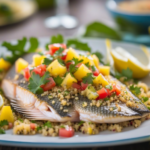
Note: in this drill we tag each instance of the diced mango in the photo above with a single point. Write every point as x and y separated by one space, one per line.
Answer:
85 59
100 79
105 70
38 59
6 114
95 60
81 72
71 53
68 81
4 64
20 65
56 69
89 131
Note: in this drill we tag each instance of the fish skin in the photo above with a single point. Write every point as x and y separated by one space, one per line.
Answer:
103 114
142 109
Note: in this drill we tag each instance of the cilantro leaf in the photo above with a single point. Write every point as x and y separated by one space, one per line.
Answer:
127 73
93 68
21 120
135 90
58 80
36 81
108 87
98 29
2 131
145 99
62 126
87 64
19 50
78 45
39 128
59 52
61 62
48 60
81 123
88 79
48 124
55 39
3 123
33 121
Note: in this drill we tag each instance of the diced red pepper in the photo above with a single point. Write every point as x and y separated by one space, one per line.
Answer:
32 126
83 86
116 89
102 93
76 85
66 132
55 47
27 73
41 69
48 86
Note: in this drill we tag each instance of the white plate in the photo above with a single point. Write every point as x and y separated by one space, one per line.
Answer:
105 138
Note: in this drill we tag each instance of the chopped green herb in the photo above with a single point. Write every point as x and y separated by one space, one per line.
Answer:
61 62
145 99
78 45
62 126
88 79
48 60
58 53
33 121
48 124
93 68
21 120
39 128
36 81
106 99
148 108
58 80
90 122
81 123
109 87
87 64
135 90
3 123
2 131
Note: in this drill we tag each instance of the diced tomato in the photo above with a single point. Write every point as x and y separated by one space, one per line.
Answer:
83 86
32 126
66 132
41 69
10 125
116 88
102 93
27 73
96 73
48 85
55 47
64 55
76 85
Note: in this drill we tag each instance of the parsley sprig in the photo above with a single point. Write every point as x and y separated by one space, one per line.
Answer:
88 79
58 80
3 123
36 81
48 124
135 90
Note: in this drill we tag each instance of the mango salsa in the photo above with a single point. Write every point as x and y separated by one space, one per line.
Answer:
81 72
100 79
88 59
71 54
38 59
4 64
95 60
56 69
68 81
20 65
6 114
105 70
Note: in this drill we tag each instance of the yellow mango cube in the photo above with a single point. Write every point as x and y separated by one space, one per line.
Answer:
71 53
4 64
38 59
95 60
85 59
56 69
100 79
81 72
21 64
68 81
105 70
6 114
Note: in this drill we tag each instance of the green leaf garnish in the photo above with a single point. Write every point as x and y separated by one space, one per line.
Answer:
36 81
87 64
61 62
93 68
135 90
33 121
39 128
98 29
78 45
62 126
108 87
48 124
21 120
88 79
145 99
81 123
58 53
106 99
3 123
48 60
2 131
19 50
58 80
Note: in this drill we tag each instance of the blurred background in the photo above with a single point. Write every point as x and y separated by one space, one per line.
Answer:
123 20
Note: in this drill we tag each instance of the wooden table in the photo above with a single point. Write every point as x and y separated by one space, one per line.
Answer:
85 11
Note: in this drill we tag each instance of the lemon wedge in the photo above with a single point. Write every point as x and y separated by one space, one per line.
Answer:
123 60
1 102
